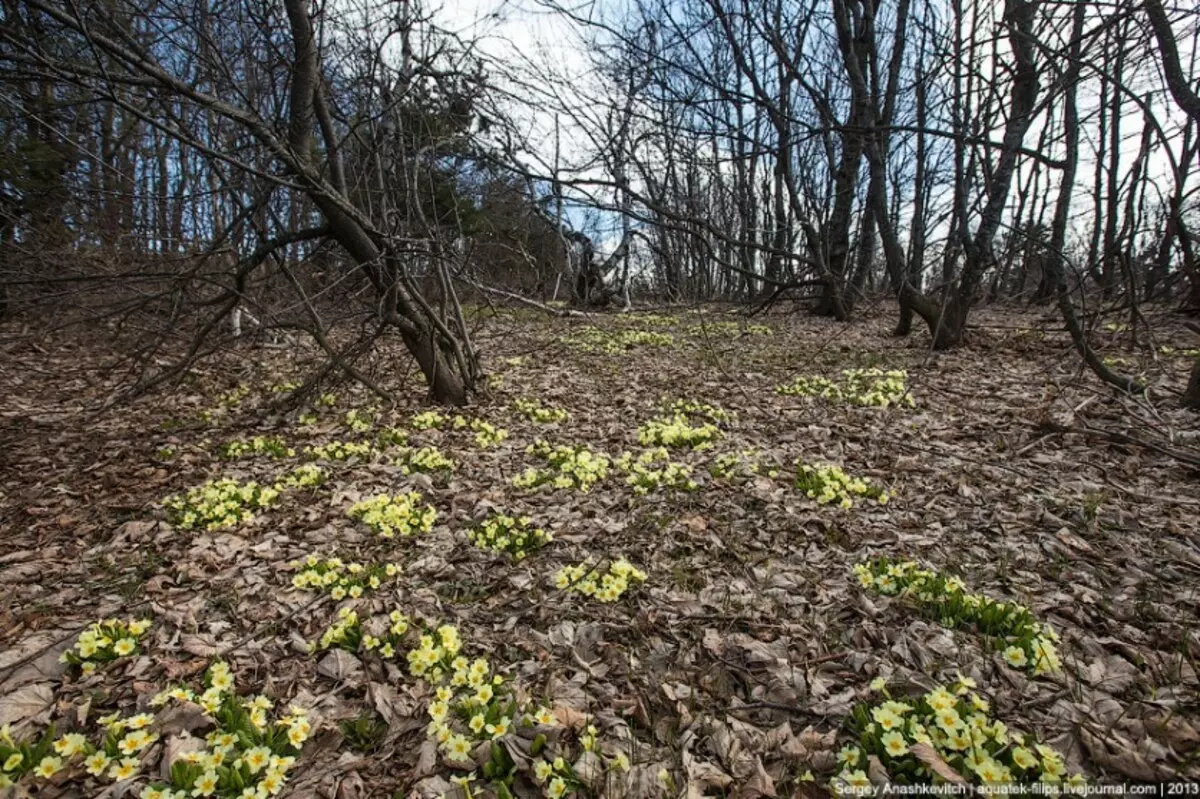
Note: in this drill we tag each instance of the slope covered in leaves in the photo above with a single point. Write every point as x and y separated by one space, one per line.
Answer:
650 546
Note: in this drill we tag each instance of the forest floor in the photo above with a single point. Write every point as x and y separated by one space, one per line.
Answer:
735 668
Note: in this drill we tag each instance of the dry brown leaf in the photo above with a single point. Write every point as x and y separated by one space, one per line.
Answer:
932 761
27 703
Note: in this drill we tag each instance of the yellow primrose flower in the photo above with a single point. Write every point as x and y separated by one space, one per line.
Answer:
134 742
125 769
205 784
139 721
223 740
13 760
894 743
459 748
438 710
959 741
48 767
542 770
125 646
940 698
499 729
257 758
484 694
948 719
854 779
557 788
545 716
887 719
1015 656
988 771
1023 758
272 783
96 763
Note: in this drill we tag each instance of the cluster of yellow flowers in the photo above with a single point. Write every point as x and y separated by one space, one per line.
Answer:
28 756
1027 643
340 579
471 703
677 431
433 658
605 587
486 434
535 412
729 329
698 410
327 400
653 469
593 339
1183 352
388 641
826 484
954 722
284 387
104 642
472 706
116 759
570 467
1116 327
246 755
274 446
219 503
344 633
646 320
514 535
739 466
340 451
359 421
392 436
425 460
234 397
306 475
867 387
428 420
347 632
401 514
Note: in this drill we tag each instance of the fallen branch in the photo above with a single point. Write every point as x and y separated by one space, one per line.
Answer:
1117 437
562 312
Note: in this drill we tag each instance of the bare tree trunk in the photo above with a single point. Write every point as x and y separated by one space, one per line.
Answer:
1058 227
1019 15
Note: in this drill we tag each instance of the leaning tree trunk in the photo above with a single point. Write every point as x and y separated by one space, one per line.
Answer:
951 328
1191 397
439 344
450 370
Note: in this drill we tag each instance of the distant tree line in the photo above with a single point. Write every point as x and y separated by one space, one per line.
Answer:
288 158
